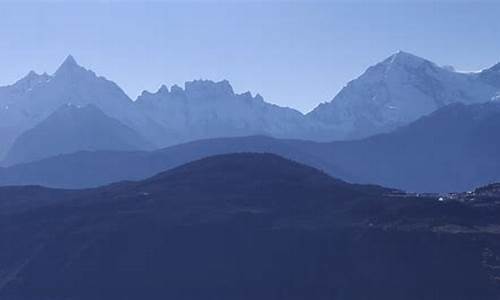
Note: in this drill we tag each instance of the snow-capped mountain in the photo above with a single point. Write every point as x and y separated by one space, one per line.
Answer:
74 128
33 98
201 109
205 109
393 93
13 115
398 91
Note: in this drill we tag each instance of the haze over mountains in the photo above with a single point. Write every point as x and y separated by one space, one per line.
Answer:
450 150
392 93
71 129
432 143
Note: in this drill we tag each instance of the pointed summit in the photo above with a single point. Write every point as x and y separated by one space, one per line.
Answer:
406 59
402 53
32 74
69 65
70 61
163 89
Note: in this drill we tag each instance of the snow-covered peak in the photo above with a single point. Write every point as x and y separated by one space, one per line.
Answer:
405 60
398 91
31 80
205 109
73 83
35 97
399 67
402 57
194 90
204 88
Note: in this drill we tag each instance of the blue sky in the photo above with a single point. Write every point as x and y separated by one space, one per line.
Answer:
295 54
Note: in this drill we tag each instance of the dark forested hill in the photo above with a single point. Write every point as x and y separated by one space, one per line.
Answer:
246 226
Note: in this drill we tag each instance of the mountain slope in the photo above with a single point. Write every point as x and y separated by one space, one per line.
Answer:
398 91
11 115
452 149
70 129
245 226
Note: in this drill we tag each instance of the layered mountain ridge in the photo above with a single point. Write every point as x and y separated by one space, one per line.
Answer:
388 95
449 150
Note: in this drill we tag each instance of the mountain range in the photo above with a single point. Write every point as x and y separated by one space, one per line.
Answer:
449 150
393 93
203 109
198 192
34 98
247 226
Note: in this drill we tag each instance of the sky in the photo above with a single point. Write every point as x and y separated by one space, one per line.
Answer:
296 54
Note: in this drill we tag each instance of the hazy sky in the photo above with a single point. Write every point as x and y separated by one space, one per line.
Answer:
296 54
